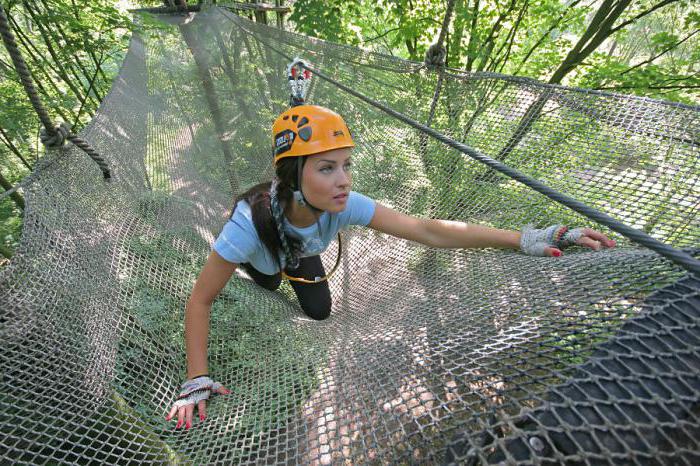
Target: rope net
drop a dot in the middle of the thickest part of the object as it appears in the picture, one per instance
(429, 356)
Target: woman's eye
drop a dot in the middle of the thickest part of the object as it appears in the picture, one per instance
(348, 167)
(326, 170)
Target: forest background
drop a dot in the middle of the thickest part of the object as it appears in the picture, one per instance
(74, 49)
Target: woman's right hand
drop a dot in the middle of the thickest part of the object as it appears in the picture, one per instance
(194, 392)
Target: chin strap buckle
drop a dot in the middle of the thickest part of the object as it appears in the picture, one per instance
(299, 198)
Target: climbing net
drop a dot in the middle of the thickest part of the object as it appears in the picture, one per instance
(429, 355)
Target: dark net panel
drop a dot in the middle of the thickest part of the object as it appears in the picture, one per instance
(429, 355)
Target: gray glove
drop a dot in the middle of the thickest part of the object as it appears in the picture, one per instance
(195, 390)
(534, 241)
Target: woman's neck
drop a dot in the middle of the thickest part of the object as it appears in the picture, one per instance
(301, 216)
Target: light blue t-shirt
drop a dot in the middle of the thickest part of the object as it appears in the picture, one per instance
(239, 242)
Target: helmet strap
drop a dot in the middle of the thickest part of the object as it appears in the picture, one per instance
(299, 197)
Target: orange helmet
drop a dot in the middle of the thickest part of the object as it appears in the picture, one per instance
(308, 129)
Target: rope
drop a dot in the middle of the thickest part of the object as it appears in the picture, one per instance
(435, 58)
(436, 96)
(679, 257)
(436, 54)
(446, 22)
(52, 136)
(55, 134)
(57, 139)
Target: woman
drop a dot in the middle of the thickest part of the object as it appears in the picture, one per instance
(280, 228)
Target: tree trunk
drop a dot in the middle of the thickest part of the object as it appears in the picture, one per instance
(545, 35)
(456, 40)
(471, 47)
(597, 31)
(280, 15)
(260, 16)
(490, 42)
(85, 72)
(510, 39)
(82, 104)
(231, 73)
(264, 96)
(210, 94)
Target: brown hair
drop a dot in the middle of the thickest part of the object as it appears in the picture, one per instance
(258, 198)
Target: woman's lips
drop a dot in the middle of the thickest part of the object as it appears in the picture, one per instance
(341, 197)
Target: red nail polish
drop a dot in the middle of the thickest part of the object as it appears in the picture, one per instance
(556, 253)
(189, 424)
(201, 417)
(179, 423)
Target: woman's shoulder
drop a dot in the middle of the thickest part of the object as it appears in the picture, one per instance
(359, 209)
(241, 221)
(356, 195)
(242, 209)
(357, 198)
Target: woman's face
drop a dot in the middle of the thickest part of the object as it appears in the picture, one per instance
(327, 179)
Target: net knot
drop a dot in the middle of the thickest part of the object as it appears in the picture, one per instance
(56, 140)
(435, 56)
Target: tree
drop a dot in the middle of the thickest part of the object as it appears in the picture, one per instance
(578, 43)
(73, 51)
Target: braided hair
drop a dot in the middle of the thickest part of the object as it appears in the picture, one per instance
(267, 203)
(290, 254)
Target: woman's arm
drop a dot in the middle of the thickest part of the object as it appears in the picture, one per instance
(441, 233)
(213, 277)
(450, 234)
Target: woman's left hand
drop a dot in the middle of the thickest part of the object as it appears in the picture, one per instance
(551, 241)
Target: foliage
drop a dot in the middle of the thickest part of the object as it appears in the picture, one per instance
(73, 50)
(657, 57)
(10, 224)
(405, 25)
(158, 265)
(645, 50)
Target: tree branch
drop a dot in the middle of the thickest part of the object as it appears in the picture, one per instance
(380, 35)
(596, 32)
(493, 35)
(510, 39)
(17, 197)
(472, 36)
(605, 28)
(682, 78)
(6, 67)
(545, 35)
(663, 52)
(641, 15)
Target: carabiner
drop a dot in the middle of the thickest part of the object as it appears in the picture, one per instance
(299, 78)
